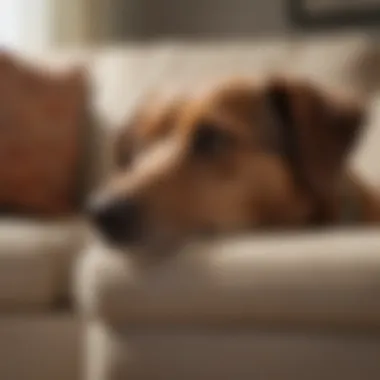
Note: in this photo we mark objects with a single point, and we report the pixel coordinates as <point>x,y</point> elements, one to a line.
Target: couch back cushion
<point>43,121</point>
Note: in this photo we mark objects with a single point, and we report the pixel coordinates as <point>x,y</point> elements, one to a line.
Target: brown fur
<point>247,183</point>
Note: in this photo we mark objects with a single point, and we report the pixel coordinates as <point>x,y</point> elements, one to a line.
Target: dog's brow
<point>147,166</point>
<point>161,152</point>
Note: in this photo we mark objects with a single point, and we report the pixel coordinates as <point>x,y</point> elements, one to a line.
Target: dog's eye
<point>209,140</point>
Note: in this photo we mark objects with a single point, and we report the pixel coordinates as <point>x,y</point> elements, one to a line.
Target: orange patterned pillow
<point>42,124</point>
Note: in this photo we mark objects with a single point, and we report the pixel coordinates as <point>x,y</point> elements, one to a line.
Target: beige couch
<point>263,307</point>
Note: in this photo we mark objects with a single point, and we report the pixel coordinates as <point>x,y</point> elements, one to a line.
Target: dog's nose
<point>118,220</point>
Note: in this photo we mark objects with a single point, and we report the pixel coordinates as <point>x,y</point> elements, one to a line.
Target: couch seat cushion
<point>244,353</point>
<point>34,262</point>
<point>320,278</point>
<point>42,346</point>
<point>346,61</point>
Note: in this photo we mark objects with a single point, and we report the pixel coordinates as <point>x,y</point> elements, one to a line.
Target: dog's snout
<point>118,220</point>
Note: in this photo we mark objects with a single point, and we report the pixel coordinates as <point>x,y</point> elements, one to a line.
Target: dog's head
<point>238,157</point>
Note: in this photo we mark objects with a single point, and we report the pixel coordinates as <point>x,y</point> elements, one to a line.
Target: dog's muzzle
<point>118,220</point>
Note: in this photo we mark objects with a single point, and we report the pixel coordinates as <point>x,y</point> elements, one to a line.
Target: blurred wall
<point>26,24</point>
<point>144,19</point>
<point>83,22</point>
<point>45,24</point>
<point>71,20</point>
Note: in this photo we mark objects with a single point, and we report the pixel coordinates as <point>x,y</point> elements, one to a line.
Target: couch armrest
<point>320,278</point>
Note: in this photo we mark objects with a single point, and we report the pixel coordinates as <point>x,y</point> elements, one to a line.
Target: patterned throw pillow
<point>43,126</point>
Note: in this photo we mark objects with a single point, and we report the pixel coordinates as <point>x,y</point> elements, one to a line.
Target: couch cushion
<point>123,74</point>
<point>348,61</point>
<point>126,73</point>
<point>320,278</point>
<point>53,340</point>
<point>34,262</point>
<point>45,126</point>
<point>203,62</point>
<point>243,353</point>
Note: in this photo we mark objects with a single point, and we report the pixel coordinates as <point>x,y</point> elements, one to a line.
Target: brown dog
<point>241,156</point>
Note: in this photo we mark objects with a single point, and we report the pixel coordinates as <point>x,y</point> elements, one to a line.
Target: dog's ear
<point>319,131</point>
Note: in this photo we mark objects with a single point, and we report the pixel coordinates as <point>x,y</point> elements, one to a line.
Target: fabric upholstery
<point>243,353</point>
<point>42,346</point>
<point>256,307</point>
<point>344,61</point>
<point>35,262</point>
<point>124,74</point>
<point>328,278</point>
<point>45,117</point>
